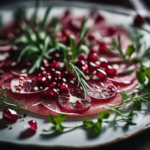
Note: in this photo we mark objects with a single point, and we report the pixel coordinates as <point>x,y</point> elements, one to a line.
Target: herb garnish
<point>1,72</point>
<point>136,47</point>
<point>16,105</point>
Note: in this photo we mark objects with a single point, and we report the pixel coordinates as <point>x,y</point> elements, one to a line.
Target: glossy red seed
<point>109,70</point>
<point>45,81</point>
<point>82,56</point>
<point>111,87</point>
<point>99,19</point>
<point>111,31</point>
<point>53,92</point>
<point>94,49</point>
<point>55,65</point>
<point>91,37</point>
<point>84,68</point>
<point>80,63</point>
<point>72,74</point>
<point>93,57</point>
<point>103,48</point>
<point>56,56</point>
<point>49,78</point>
<point>78,104</point>
<point>65,74</point>
<point>27,64</point>
<point>52,85</point>
<point>57,74</point>
<point>64,87</point>
<point>10,115</point>
<point>39,78</point>
<point>33,124</point>
<point>139,20</point>
<point>63,80</point>
<point>101,73</point>
<point>104,64</point>
<point>44,73</point>
<point>45,63</point>
<point>92,66</point>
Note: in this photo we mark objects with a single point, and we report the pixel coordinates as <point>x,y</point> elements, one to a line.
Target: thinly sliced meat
<point>26,85</point>
<point>31,102</point>
<point>6,77</point>
<point>52,104</point>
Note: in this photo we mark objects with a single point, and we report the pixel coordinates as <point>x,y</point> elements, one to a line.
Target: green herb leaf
<point>98,127</point>
<point>130,50</point>
<point>104,114</point>
<point>1,72</point>
<point>137,104</point>
<point>124,95</point>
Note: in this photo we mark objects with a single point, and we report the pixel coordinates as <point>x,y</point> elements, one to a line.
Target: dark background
<point>138,142</point>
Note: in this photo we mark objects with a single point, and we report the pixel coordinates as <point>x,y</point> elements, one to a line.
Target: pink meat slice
<point>31,102</point>
<point>96,107</point>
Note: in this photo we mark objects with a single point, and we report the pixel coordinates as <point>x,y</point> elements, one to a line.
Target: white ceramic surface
<point>79,137</point>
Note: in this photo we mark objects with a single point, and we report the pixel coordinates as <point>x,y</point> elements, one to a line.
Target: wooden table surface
<point>140,141</point>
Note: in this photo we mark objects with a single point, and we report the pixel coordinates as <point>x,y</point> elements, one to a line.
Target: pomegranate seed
<point>65,74</point>
<point>111,87</point>
<point>56,55</point>
<point>27,64</point>
<point>52,71</point>
<point>91,37</point>
<point>104,64</point>
<point>111,31</point>
<point>139,20</point>
<point>64,87</point>
<point>53,92</point>
<point>42,68</point>
<point>44,73</point>
<point>33,124</point>
<point>84,68</point>
<point>45,81</point>
<point>92,66</point>
<point>78,104</point>
<point>72,74</point>
<point>52,85</point>
<point>94,49</point>
<point>93,57</point>
<point>101,73</point>
<point>55,65</point>
<point>99,19</point>
<point>49,78</point>
<point>10,115</point>
<point>57,74</point>
<point>45,63</point>
<point>103,48</point>
<point>110,70</point>
<point>80,63</point>
<point>64,80</point>
<point>82,56</point>
<point>39,78</point>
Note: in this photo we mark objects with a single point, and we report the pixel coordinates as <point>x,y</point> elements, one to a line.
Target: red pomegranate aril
<point>111,31</point>
<point>45,62</point>
<point>45,81</point>
<point>82,56</point>
<point>94,49</point>
<point>52,85</point>
<point>10,115</point>
<point>78,104</point>
<point>65,74</point>
<point>63,80</point>
<point>64,87</point>
<point>57,74</point>
<point>53,92</point>
<point>139,20</point>
<point>91,37</point>
<point>101,73</point>
<point>27,64</point>
<point>72,74</point>
<point>104,64</point>
<point>93,57</point>
<point>52,71</point>
<point>33,124</point>
<point>39,78</point>
<point>49,78</point>
<point>55,65</point>
<point>99,19</point>
<point>92,66</point>
<point>103,48</point>
<point>111,87</point>
<point>56,56</point>
<point>84,68</point>
<point>110,71</point>
<point>44,73</point>
<point>80,63</point>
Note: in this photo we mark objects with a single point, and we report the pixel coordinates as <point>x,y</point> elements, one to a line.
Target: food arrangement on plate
<point>71,66</point>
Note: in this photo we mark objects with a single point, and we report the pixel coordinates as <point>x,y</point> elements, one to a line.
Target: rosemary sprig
<point>16,105</point>
<point>137,46</point>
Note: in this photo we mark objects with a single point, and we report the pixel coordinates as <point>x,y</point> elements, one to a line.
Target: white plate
<point>78,138</point>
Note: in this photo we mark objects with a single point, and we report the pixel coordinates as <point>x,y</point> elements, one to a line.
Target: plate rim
<point>88,5</point>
